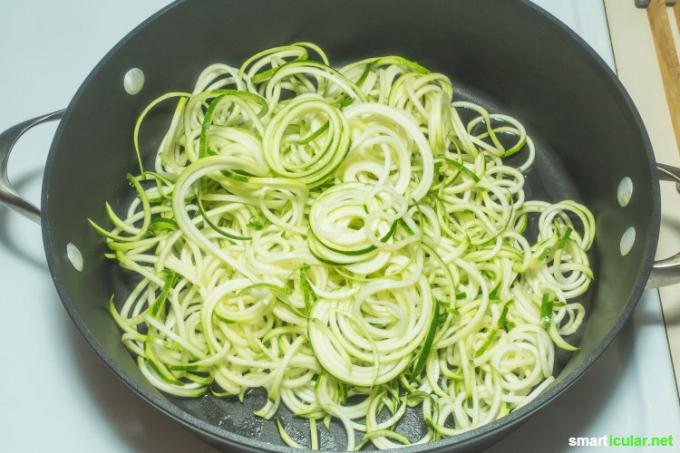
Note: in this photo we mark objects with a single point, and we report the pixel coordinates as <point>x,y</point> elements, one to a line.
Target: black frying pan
<point>509,55</point>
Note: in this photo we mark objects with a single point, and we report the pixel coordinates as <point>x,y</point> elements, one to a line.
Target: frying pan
<point>508,55</point>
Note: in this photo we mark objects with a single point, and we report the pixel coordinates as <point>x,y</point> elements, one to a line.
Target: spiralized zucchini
<point>351,241</point>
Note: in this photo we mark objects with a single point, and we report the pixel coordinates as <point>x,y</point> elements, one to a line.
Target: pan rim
<point>467,439</point>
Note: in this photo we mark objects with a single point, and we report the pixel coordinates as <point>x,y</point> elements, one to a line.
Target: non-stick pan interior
<point>507,54</point>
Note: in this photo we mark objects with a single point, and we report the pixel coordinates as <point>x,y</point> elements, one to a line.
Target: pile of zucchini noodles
<point>351,241</point>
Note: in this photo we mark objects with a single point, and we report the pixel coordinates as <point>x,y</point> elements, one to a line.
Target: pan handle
<point>666,272</point>
<point>8,195</point>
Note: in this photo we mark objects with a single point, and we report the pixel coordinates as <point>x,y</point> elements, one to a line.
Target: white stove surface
<point>56,395</point>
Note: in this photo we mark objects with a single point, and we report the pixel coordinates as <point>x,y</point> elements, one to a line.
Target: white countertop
<point>55,394</point>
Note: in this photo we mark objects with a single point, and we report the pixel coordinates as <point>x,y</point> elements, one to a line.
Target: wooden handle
<point>667,54</point>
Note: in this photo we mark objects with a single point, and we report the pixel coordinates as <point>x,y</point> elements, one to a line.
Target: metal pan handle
<point>666,272</point>
<point>8,195</point>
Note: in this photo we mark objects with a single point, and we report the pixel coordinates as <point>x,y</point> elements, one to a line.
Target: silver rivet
<point>627,241</point>
<point>625,191</point>
<point>74,256</point>
<point>133,82</point>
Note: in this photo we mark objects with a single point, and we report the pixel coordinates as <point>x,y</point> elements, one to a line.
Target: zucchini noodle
<point>350,240</point>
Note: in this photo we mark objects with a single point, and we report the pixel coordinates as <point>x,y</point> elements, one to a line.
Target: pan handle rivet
<point>625,191</point>
<point>133,82</point>
<point>627,241</point>
<point>74,256</point>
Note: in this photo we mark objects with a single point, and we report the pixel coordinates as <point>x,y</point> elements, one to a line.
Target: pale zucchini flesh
<point>351,240</point>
